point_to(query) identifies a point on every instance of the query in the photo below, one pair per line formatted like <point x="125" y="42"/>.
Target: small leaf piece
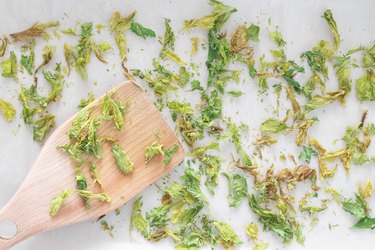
<point x="141" y="31"/>
<point x="122" y="159"/>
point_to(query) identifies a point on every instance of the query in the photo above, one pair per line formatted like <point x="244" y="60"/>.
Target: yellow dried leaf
<point x="302" y="131"/>
<point x="366" y="191"/>
<point x="3" y="46"/>
<point x="7" y="110"/>
<point x="173" y="56"/>
<point x="121" y="45"/>
<point x="194" y="45"/>
<point x="252" y="231"/>
<point x="206" y="22"/>
<point x="68" y="54"/>
<point x="314" y="142"/>
<point x="120" y="24"/>
<point x="265" y="140"/>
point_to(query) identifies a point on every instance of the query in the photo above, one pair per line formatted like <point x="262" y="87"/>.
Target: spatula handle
<point x="14" y="216"/>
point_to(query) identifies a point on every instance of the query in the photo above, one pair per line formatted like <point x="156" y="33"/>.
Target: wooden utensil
<point x="53" y="171"/>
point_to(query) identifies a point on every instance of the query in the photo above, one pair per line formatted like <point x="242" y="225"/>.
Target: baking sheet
<point x="302" y="27"/>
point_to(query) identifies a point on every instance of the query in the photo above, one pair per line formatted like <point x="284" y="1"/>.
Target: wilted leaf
<point x="365" y="87"/>
<point x="277" y="38"/>
<point x="169" y="152"/>
<point x="237" y="189"/>
<point x="3" y="46"/>
<point x="36" y="30"/>
<point x="253" y="32"/>
<point x="318" y="101"/>
<point x="136" y="220"/>
<point x="42" y="126"/>
<point x="333" y="27"/>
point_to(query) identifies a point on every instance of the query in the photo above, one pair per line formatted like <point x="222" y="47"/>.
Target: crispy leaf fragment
<point x="365" y="222"/>
<point x="212" y="167"/>
<point x="115" y="109"/>
<point x="270" y="220"/>
<point x="9" y="66"/>
<point x="48" y="52"/>
<point x="154" y="149"/>
<point x="324" y="171"/>
<point x="273" y="125"/>
<point x="157" y="216"/>
<point x="106" y="227"/>
<point x="252" y="231"/>
<point x="365" y="87"/>
<point x="55" y="80"/>
<point x="239" y="39"/>
<point x="173" y="56"/>
<point x="206" y="22"/>
<point x="307" y="153"/>
<point x="318" y="101"/>
<point x="83" y="50"/>
<point x="316" y="58"/>
<point x="295" y="105"/>
<point x="92" y="196"/>
<point x="357" y="207"/>
<point x="333" y="27"/>
<point x="169" y="37"/>
<point x="265" y="140"/>
<point x="94" y="172"/>
<point x="58" y="202"/>
<point x="137" y="221"/>
<point x="27" y="61"/>
<point x="366" y="191"/>
<point x="237" y="189"/>
<point x="122" y="159"/>
<point x="182" y="108"/>
<point x="368" y="60"/>
<point x="68" y="54"/>
<point x="277" y="38"/>
<point x="302" y="130"/>
<point x="202" y="150"/>
<point x="84" y="102"/>
<point x="191" y="180"/>
<point x="141" y="31"/>
<point x="235" y="135"/>
<point x="169" y="152"/>
<point x="119" y="25"/>
<point x="42" y="126"/>
<point x="38" y="29"/>
<point x="310" y="86"/>
<point x="227" y="237"/>
<point x="253" y="32"/>
<point x="3" y="46"/>
<point x="343" y="71"/>
<point x="121" y="44"/>
<point x="194" y="45"/>
<point x="7" y="109"/>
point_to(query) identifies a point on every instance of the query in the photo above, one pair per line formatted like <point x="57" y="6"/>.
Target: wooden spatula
<point x="53" y="171"/>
